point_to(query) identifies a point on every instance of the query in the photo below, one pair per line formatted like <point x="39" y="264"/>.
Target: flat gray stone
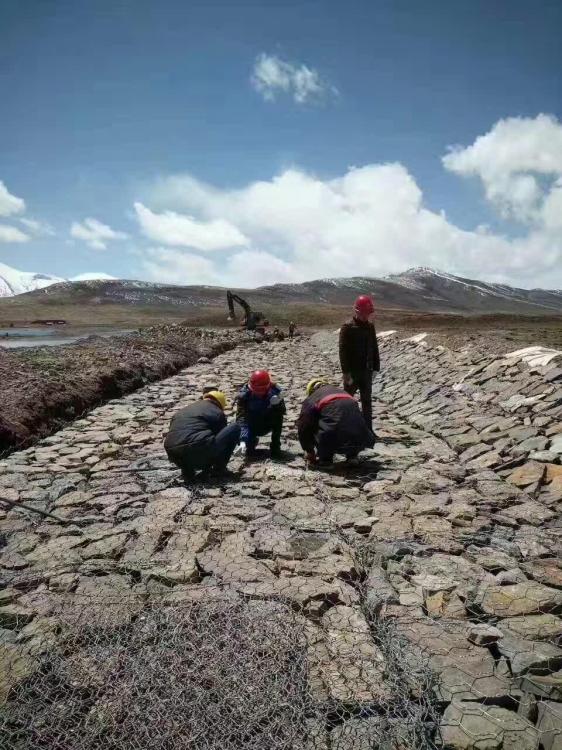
<point x="549" y="724"/>
<point x="519" y="599"/>
<point x="526" y="655"/>
<point x="472" y="726"/>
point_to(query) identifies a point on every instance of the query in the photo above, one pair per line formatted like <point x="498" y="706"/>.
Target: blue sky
<point x="108" y="105"/>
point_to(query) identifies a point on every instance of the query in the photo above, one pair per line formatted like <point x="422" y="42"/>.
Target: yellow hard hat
<point x="217" y="396"/>
<point x="314" y="384"/>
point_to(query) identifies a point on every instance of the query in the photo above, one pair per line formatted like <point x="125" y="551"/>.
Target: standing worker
<point x="359" y="355"/>
<point x="260" y="410"/>
<point x="292" y="329"/>
<point x="199" y="438"/>
<point x="330" y="422"/>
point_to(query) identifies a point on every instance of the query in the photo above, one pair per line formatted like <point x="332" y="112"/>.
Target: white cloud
<point x="94" y="233"/>
<point x="247" y="268"/>
<point x="12" y="234"/>
<point x="165" y="265"/>
<point x="272" y="76"/>
<point x="369" y="221"/>
<point x="10" y="204"/>
<point x="175" y="229"/>
<point x="38" y="228"/>
<point x="519" y="162"/>
<point x="251" y="268"/>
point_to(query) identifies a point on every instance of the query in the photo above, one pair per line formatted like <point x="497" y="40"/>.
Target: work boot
<point x="275" y="451"/>
<point x="221" y="472"/>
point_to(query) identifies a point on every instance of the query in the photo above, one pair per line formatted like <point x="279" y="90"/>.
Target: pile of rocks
<point x="426" y="582"/>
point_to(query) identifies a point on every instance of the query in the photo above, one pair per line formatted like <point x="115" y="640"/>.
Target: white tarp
<point x="417" y="339"/>
<point x="535" y="356"/>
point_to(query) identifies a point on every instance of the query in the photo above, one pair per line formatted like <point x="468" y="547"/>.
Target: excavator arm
<point x="252" y="320"/>
<point x="231" y="298"/>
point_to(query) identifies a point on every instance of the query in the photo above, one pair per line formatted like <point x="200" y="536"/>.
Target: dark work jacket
<point x="338" y="427"/>
<point x="359" y="350"/>
<point x="195" y="425"/>
<point x="255" y="413"/>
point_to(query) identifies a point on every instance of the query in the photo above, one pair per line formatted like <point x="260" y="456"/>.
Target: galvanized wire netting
<point x="216" y="674"/>
<point x="268" y="631"/>
<point x="223" y="672"/>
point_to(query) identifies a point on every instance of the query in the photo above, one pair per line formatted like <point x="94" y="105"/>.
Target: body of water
<point x="19" y="338"/>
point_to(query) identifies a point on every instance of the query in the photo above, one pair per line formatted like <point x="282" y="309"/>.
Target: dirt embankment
<point x="45" y="387"/>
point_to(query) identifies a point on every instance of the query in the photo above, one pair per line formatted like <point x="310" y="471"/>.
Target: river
<point x="27" y="336"/>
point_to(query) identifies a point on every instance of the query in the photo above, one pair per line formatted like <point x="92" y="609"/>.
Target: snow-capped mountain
<point x="418" y="289"/>
<point x="14" y="282"/>
<point x="441" y="289"/>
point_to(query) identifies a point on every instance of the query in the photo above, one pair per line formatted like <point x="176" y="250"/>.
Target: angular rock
<point x="531" y="512"/>
<point x="483" y="634"/>
<point x="509" y="577"/>
<point x="543" y="686"/>
<point x="472" y="726"/>
<point x="344" y="661"/>
<point x="16" y="665"/>
<point x="535" y="627"/>
<point x="105" y="600"/>
<point x="549" y="724"/>
<point x="524" y="656"/>
<point x="545" y="570"/>
<point x="528" y="474"/>
<point x="520" y="599"/>
<point x="14" y="616"/>
<point x="378" y="590"/>
<point x="465" y="671"/>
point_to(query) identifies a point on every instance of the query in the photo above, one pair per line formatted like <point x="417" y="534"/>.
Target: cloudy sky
<point x="249" y="142"/>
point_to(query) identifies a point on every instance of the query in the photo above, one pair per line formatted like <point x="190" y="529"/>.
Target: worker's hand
<point x="275" y="400"/>
<point x="240" y="450"/>
<point x="310" y="458"/>
<point x="347" y="379"/>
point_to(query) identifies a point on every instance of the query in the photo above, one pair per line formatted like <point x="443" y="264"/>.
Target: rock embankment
<point x="413" y="601"/>
<point x="44" y="388"/>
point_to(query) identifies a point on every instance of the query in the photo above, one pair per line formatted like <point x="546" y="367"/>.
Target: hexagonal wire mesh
<point x="153" y="655"/>
<point x="217" y="672"/>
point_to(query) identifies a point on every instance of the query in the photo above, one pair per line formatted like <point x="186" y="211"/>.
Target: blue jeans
<point x="272" y="423"/>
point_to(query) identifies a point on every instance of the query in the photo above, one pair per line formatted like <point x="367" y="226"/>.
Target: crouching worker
<point x="260" y="410"/>
<point x="199" y="438"/>
<point x="330" y="422"/>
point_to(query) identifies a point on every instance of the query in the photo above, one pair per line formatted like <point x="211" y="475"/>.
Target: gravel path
<point x="413" y="600"/>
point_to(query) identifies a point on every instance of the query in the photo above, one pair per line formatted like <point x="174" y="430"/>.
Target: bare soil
<point x="45" y="387"/>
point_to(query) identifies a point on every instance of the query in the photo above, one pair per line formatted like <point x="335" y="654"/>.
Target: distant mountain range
<point x="418" y="289"/>
<point x="14" y="282"/>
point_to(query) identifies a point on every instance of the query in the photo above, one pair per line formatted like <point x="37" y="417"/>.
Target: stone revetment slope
<point x="411" y="601"/>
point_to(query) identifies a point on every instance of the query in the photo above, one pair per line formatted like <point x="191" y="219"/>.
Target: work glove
<point x="240" y="450"/>
<point x="275" y="400"/>
<point x="347" y="379"/>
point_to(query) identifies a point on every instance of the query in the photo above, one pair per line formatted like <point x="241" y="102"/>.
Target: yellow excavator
<point x="252" y="320"/>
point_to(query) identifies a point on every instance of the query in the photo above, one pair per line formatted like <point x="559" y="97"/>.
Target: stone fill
<point x="411" y="601"/>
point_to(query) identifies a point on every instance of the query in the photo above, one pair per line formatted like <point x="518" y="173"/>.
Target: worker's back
<point x="336" y="420"/>
<point x="195" y="424"/>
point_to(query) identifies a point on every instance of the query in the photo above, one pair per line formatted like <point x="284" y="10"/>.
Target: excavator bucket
<point x="230" y="302"/>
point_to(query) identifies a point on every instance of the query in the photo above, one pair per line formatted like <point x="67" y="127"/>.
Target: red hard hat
<point x="260" y="381"/>
<point x="364" y="304"/>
